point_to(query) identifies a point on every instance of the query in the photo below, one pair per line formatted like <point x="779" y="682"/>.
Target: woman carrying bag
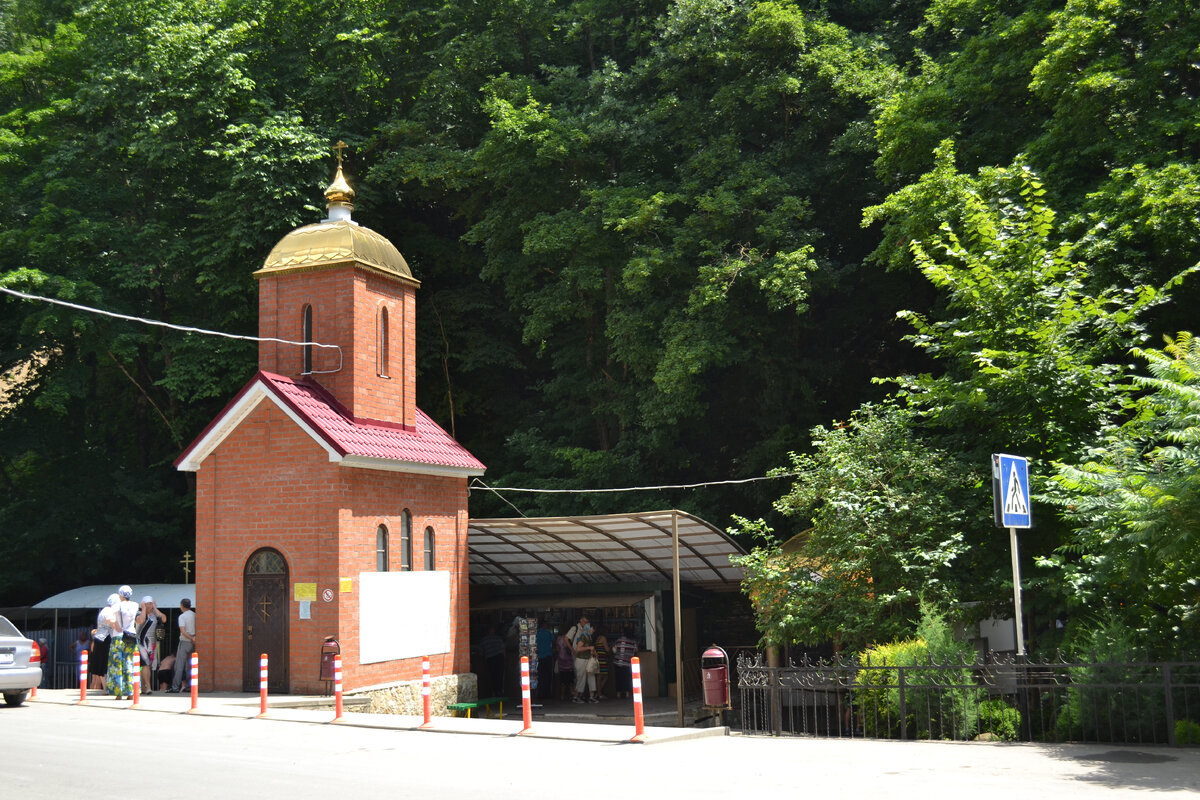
<point x="586" y="665"/>
<point x="148" y="632"/>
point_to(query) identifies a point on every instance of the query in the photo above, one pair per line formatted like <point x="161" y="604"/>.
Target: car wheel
<point x="15" y="698"/>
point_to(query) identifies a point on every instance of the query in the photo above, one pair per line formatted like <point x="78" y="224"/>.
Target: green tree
<point x="1134" y="503"/>
<point x="132" y="126"/>
<point x="646" y="209"/>
<point x="890" y="523"/>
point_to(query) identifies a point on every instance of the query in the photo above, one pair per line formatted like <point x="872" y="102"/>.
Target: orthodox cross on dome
<point x="339" y="194"/>
<point x="187" y="562"/>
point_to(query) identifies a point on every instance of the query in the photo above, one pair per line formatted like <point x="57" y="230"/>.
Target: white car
<point x="20" y="664"/>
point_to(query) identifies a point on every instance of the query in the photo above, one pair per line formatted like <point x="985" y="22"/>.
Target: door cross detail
<point x="264" y="608"/>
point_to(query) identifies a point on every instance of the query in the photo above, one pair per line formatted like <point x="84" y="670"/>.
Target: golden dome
<point x="331" y="243"/>
<point x="336" y="241"/>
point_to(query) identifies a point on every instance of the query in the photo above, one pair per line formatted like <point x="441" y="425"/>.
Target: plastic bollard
<point x="526" y="709"/>
<point x="195" y="678"/>
<point x="262" y="685"/>
<point x="83" y="676"/>
<point x="136" y="670"/>
<point x="337" y="688"/>
<point x="639" y="719"/>
<point x="425" y="693"/>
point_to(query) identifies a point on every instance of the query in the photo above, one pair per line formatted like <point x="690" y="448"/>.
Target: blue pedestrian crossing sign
<point x="1010" y="491"/>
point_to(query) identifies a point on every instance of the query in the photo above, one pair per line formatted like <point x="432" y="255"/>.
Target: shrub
<point x="999" y="719"/>
<point x="938" y="697"/>
<point x="1116" y="697"/>
<point x="1187" y="732"/>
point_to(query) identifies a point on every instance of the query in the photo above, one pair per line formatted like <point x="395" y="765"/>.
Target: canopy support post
<point x="678" y="618"/>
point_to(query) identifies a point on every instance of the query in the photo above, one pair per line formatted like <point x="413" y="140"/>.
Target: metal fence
<point x="993" y="698"/>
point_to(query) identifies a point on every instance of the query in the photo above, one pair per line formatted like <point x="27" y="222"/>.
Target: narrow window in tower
<point x="406" y="564"/>
<point x="429" y="565"/>
<point x="381" y="549"/>
<point x="384" y="349"/>
<point x="306" y="336"/>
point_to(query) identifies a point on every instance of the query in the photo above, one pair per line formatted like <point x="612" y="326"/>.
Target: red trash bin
<point x="715" y="677"/>
<point x="329" y="650"/>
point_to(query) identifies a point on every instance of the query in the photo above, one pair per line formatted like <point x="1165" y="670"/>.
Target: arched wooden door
<point x="265" y="620"/>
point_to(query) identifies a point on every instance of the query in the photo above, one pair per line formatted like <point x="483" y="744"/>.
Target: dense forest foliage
<point x="861" y="244"/>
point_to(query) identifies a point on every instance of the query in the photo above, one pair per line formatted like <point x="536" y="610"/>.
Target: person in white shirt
<point x="121" y="642"/>
<point x="187" y="643"/>
<point x="98" y="657"/>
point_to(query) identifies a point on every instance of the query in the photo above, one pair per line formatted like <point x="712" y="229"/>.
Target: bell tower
<point x="348" y="295"/>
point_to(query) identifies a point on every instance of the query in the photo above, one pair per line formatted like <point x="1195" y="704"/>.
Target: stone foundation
<point x="405" y="698"/>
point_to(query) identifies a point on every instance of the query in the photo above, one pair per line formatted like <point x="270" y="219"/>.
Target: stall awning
<point x="166" y="595"/>
<point x="560" y="601"/>
<point x="608" y="548"/>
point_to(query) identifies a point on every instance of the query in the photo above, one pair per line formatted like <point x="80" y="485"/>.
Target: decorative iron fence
<point x="994" y="698"/>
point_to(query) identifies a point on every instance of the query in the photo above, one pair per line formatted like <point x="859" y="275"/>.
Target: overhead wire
<point x="496" y="490"/>
<point x="475" y="482"/>
<point x="159" y="323"/>
<point x="633" y="488"/>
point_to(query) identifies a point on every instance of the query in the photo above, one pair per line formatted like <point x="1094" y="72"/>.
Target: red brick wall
<point x="270" y="485"/>
<point x="379" y="498"/>
<point x="346" y="303"/>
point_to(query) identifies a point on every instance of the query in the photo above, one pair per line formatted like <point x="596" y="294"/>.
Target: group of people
<point x="123" y="625"/>
<point x="582" y="657"/>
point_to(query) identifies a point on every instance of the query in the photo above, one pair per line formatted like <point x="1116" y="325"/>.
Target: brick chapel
<point x="327" y="503"/>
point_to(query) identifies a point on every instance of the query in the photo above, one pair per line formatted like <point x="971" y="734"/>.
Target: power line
<point x="482" y="485"/>
<point x="159" y="323"/>
<point x="475" y="482"/>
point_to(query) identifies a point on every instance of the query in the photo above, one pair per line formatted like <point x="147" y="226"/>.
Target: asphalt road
<point x="106" y="752"/>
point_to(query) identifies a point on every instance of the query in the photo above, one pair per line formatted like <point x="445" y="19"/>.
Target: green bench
<point x="484" y="702"/>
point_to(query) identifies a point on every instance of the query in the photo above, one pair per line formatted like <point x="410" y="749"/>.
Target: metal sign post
<point x="1011" y="504"/>
<point x="1012" y="541"/>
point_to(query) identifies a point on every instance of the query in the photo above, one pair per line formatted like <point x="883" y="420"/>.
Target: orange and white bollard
<point x="526" y="708"/>
<point x="262" y="685"/>
<point x="195" y="678"/>
<point x="135" y="671"/>
<point x="83" y="676"/>
<point x="40" y="656"/>
<point x="425" y="699"/>
<point x="337" y="688"/>
<point x="639" y="719"/>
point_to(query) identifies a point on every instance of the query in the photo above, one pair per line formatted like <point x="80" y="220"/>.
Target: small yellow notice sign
<point x="346" y="585"/>
<point x="304" y="591"/>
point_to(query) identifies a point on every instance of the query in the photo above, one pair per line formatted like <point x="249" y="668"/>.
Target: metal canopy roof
<point x="608" y="548"/>
<point x="166" y="595"/>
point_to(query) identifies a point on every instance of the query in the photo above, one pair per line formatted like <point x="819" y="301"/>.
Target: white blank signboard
<point x="402" y="615"/>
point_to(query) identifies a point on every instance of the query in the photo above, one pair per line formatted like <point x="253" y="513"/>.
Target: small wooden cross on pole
<point x="187" y="562"/>
<point x="340" y="147"/>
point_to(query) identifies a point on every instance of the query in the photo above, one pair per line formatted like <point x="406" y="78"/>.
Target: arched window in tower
<point x="406" y="564"/>
<point x="384" y="348"/>
<point x="429" y="560"/>
<point x="306" y="336"/>
<point x="381" y="549"/>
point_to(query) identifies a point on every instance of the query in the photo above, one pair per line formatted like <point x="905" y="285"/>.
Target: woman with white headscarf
<point x="98" y="657"/>
<point x="147" y="627"/>
<point x="121" y="644"/>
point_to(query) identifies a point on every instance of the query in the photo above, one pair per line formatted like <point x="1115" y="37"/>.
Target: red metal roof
<point x="328" y="420"/>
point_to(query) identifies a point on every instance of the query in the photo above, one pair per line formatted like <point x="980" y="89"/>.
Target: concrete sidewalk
<point x="318" y="709"/>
